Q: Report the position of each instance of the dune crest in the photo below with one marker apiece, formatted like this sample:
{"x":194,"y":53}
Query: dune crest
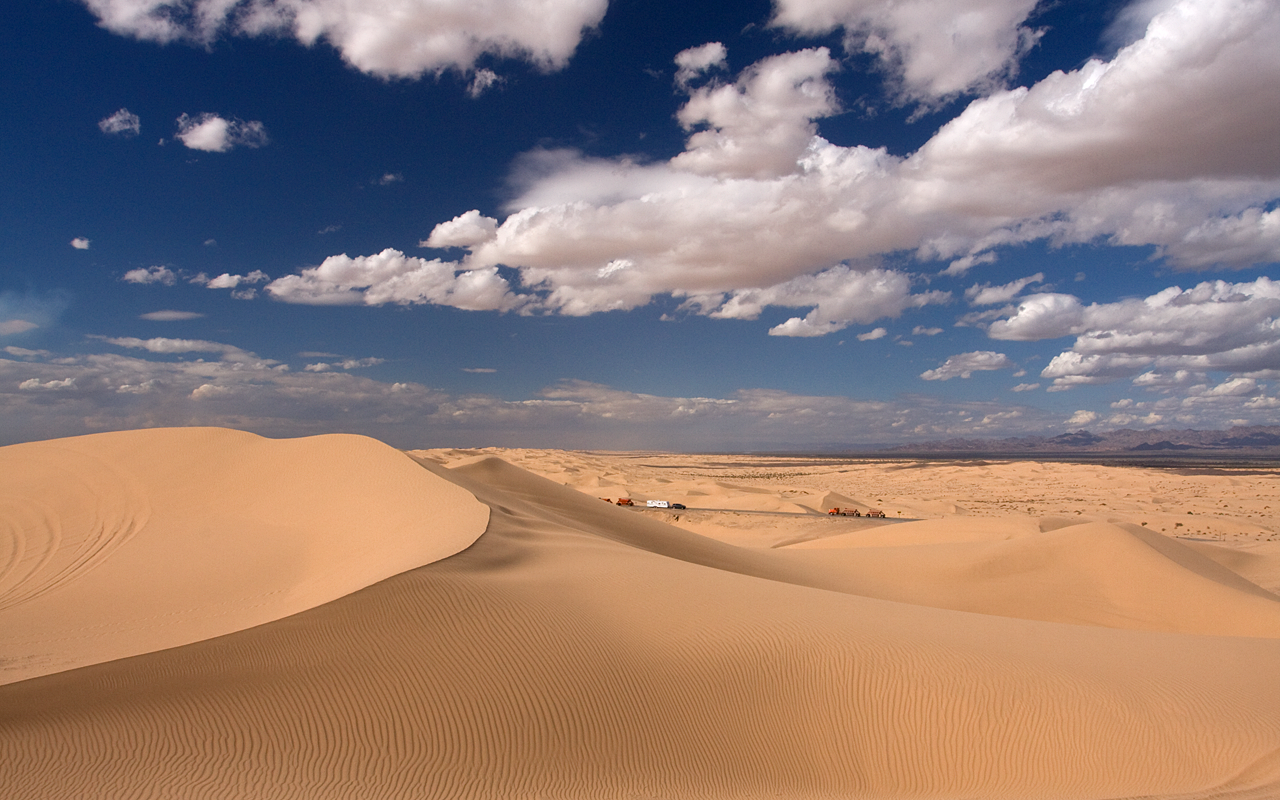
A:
{"x":119,"y":544}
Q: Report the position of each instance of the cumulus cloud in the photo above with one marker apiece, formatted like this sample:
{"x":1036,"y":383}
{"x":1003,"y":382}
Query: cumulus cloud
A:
{"x":121,"y":123}
{"x":758,"y":202}
{"x":697,"y":61}
{"x":872,"y":335}
{"x":482,"y":81}
{"x":346,"y":364}
{"x":229,"y":281}
{"x":1213,"y":326}
{"x":1082,"y":418}
{"x":930,"y":48}
{"x":389,"y":178}
{"x":393,"y":277}
{"x":170,"y":316}
{"x":464,"y":230}
{"x":921,"y":330}
{"x":161,"y":275}
{"x":759,"y":126}
{"x":965,"y":364}
{"x":215,"y":134}
{"x":388,"y":38}
{"x":1025,"y":387}
{"x":839,"y":297}
{"x":80,"y":243}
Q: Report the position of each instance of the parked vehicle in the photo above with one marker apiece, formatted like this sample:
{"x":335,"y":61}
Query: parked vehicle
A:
{"x":678,"y":506}
{"x":625,"y":501}
{"x":874,"y":512}
{"x":845,"y":512}
{"x":607,"y":500}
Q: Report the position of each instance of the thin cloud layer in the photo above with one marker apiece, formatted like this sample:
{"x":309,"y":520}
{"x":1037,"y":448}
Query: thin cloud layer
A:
{"x":388,"y":38}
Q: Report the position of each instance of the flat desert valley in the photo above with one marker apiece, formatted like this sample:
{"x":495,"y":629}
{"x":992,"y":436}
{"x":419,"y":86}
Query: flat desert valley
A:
{"x":206,"y":613}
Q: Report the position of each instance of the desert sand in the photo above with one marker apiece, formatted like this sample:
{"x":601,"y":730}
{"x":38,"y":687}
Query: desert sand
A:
{"x":207,"y":614}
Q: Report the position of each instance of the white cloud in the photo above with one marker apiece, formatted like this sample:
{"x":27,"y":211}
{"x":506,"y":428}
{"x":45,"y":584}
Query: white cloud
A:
{"x":34,"y":385}
{"x":228,"y":281}
{"x":214,"y":134}
{"x":758,"y":200}
{"x":1107,"y":151}
{"x":168,"y":346}
{"x":393,"y":277}
{"x":121,"y":123}
{"x":1215,"y":325}
{"x":170,"y":316}
{"x":23,"y":352}
{"x":965,"y":364}
{"x":464,"y":230}
{"x":1041,"y":316}
{"x":838,"y":296}
{"x":930,"y":48}
{"x":987,"y":295}
{"x":1025,"y":387}
{"x":482,"y":81}
{"x":9,"y":327}
{"x":346,"y":364}
{"x":80,"y":243}
{"x":479,"y":370}
{"x":83,"y":393}
{"x":1081,"y":418}
{"x":389,"y":38}
{"x":389,"y":178}
{"x":872,"y":335}
{"x":697,"y":61}
{"x":162,"y":275}
{"x":921,"y":330}
{"x":760,"y":126}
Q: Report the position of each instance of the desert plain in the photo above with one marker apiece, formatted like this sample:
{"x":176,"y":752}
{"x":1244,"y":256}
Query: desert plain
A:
{"x":206,"y":613}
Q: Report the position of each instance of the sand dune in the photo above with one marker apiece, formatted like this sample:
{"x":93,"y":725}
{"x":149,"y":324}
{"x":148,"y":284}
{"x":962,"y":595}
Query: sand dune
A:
{"x":578,"y":649}
{"x":121,"y":544}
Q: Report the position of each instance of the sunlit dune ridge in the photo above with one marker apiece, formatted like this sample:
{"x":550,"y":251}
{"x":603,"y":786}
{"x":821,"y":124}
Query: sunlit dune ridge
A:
{"x":580,"y":649}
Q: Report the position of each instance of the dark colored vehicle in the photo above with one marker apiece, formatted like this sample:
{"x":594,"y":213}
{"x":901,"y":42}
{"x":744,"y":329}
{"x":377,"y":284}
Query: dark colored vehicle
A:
{"x":680,"y":506}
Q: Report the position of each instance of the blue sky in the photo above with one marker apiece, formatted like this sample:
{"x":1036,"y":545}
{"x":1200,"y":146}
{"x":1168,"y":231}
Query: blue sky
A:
{"x":594,"y":224}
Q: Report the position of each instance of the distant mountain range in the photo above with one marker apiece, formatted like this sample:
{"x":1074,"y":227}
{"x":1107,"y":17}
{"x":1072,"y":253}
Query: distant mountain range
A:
{"x":1252,"y":440}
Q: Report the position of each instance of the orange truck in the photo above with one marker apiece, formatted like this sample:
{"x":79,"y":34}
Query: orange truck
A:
{"x":844,"y":512}
{"x":625,"y":501}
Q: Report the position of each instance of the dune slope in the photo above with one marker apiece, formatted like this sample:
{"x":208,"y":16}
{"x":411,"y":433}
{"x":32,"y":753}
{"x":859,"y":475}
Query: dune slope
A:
{"x":578,"y":650}
{"x":119,"y":544}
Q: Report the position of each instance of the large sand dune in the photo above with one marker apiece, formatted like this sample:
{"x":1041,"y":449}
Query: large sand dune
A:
{"x":579,"y":649}
{"x":126,"y":543}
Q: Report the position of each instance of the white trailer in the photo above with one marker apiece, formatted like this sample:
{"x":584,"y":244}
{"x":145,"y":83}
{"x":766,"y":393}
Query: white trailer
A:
{"x":657,"y":504}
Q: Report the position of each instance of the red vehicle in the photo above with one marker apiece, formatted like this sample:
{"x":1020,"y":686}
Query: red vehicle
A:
{"x":625,"y":501}
{"x":845,"y":512}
